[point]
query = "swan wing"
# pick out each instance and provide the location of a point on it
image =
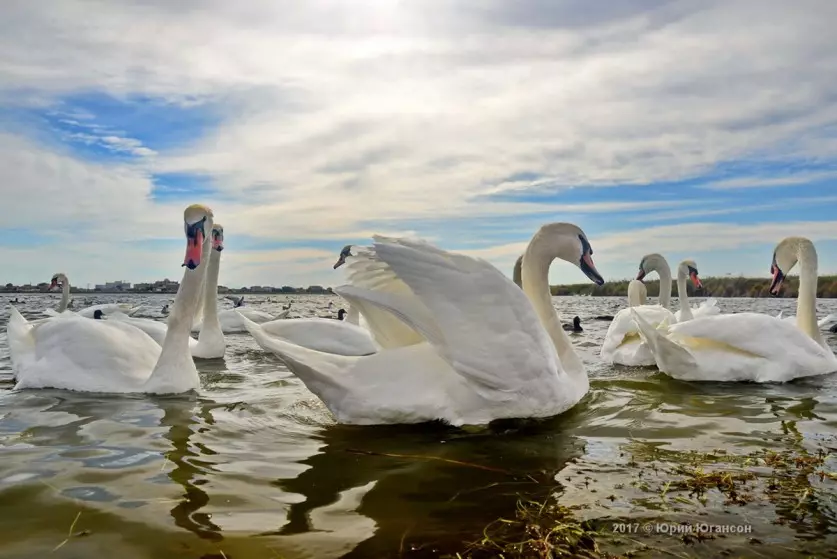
(755, 333)
(622, 343)
(153, 328)
(478, 320)
(367, 272)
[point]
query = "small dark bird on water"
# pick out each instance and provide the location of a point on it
(833, 328)
(340, 314)
(575, 326)
(98, 314)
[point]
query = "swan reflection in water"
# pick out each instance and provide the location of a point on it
(429, 483)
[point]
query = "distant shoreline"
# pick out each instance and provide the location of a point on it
(723, 287)
(172, 293)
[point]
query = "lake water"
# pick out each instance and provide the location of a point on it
(255, 467)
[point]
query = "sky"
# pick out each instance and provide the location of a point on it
(703, 129)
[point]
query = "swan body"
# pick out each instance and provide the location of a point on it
(74, 353)
(749, 346)
(486, 351)
(231, 323)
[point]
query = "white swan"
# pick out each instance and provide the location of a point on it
(622, 344)
(75, 353)
(489, 352)
(688, 269)
(210, 343)
(750, 346)
(60, 280)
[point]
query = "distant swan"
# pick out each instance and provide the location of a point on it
(750, 346)
(490, 349)
(75, 353)
(60, 280)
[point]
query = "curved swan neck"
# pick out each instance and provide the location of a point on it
(683, 295)
(660, 265)
(806, 303)
(535, 280)
(517, 275)
(65, 295)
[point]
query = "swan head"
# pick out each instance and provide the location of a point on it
(58, 280)
(649, 263)
(570, 244)
(344, 254)
(218, 237)
(197, 220)
(786, 255)
(689, 268)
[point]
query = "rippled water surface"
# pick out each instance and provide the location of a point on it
(254, 465)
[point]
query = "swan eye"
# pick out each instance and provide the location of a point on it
(585, 246)
(192, 229)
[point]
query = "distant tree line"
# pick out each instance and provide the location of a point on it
(712, 287)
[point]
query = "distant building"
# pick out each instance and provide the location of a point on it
(114, 286)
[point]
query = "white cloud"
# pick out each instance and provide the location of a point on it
(762, 182)
(338, 117)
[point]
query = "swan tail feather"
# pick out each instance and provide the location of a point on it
(665, 351)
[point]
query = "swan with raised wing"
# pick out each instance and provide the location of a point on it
(750, 346)
(75, 353)
(490, 350)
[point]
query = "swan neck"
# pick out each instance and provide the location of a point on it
(65, 296)
(637, 293)
(683, 295)
(664, 272)
(210, 288)
(535, 280)
(209, 293)
(806, 304)
(517, 275)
